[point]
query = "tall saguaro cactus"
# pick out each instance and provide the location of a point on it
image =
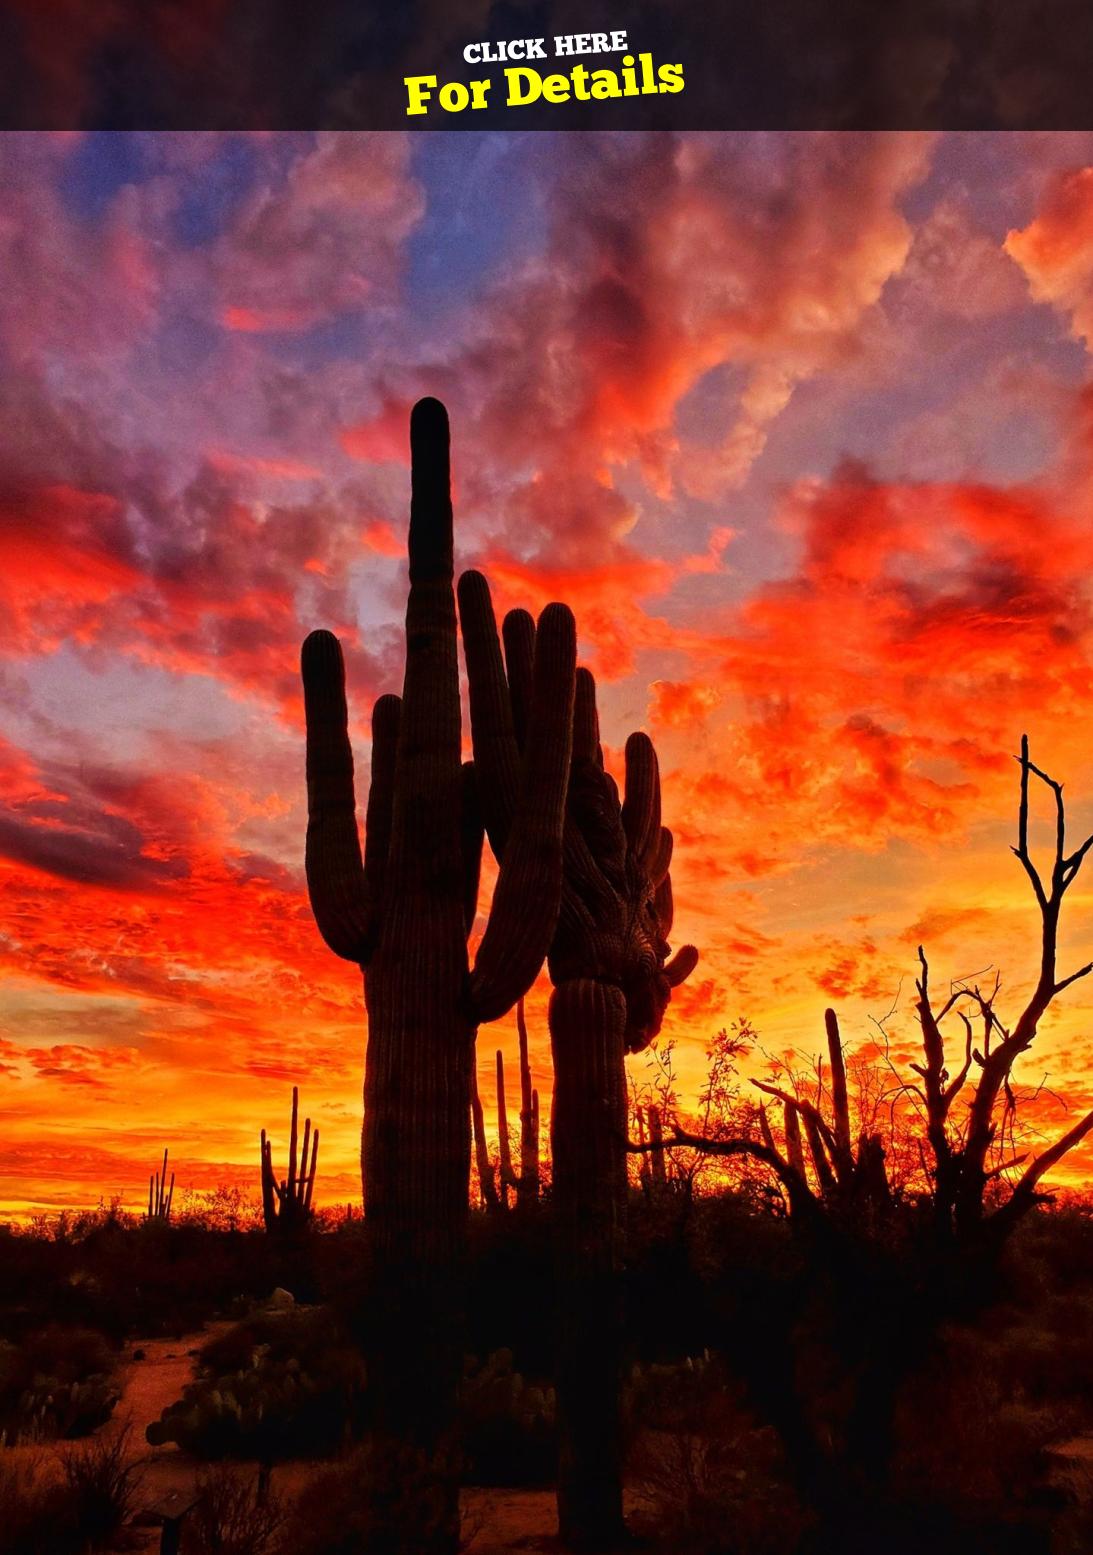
(612, 984)
(404, 911)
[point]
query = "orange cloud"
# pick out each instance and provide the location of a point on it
(1055, 250)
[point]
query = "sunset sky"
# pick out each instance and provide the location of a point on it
(802, 428)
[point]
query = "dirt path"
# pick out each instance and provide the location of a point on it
(148, 1386)
(496, 1522)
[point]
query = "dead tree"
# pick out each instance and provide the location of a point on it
(965, 1115)
(891, 1259)
(286, 1205)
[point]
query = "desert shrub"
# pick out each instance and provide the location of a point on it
(64, 1503)
(970, 1451)
(1045, 1354)
(99, 1272)
(710, 1480)
(230, 1517)
(281, 1385)
(508, 1426)
(100, 1482)
(376, 1501)
(58, 1382)
(34, 1514)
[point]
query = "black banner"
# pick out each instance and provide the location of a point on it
(726, 64)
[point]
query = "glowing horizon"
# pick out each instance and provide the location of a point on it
(800, 425)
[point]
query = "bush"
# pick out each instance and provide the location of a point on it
(283, 1385)
(377, 1501)
(969, 1446)
(230, 1517)
(65, 1503)
(710, 1480)
(33, 1514)
(59, 1382)
(100, 1483)
(508, 1425)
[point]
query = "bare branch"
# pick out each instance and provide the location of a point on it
(1074, 977)
(1054, 1154)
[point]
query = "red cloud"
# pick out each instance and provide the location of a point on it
(681, 704)
(1055, 250)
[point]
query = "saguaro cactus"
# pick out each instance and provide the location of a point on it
(286, 1205)
(527, 1186)
(496, 1181)
(487, 1173)
(160, 1194)
(612, 984)
(404, 913)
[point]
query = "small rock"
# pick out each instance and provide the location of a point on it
(281, 1301)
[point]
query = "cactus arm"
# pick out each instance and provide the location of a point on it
(170, 1198)
(680, 967)
(292, 1142)
(661, 861)
(641, 807)
(151, 1180)
(496, 752)
(269, 1213)
(594, 804)
(311, 1173)
(529, 1165)
(424, 856)
(301, 1181)
(535, 1141)
(472, 835)
(344, 910)
(377, 827)
(586, 721)
(840, 1104)
(524, 913)
(486, 1184)
(518, 635)
(508, 1175)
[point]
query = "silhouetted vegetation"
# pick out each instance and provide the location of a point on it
(287, 1203)
(67, 1501)
(285, 1384)
(403, 911)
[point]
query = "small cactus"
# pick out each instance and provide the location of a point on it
(160, 1194)
(286, 1205)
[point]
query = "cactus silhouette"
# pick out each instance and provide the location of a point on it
(612, 984)
(160, 1194)
(495, 1183)
(286, 1205)
(404, 913)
